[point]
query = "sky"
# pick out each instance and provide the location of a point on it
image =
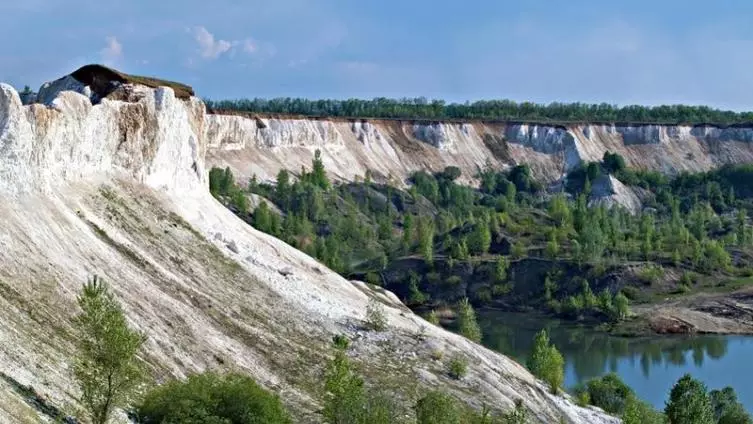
(619, 52)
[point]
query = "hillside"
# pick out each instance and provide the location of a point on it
(119, 189)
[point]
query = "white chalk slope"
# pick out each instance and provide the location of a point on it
(119, 189)
(263, 146)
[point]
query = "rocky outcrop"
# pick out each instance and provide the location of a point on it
(609, 191)
(119, 188)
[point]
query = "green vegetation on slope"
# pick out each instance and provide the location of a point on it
(510, 244)
(497, 110)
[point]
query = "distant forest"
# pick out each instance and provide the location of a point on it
(492, 110)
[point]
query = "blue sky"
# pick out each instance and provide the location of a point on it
(624, 52)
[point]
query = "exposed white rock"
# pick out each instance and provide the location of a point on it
(609, 191)
(147, 231)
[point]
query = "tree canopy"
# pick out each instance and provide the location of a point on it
(501, 110)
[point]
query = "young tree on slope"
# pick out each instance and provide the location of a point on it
(689, 402)
(107, 368)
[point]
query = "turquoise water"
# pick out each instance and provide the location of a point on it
(649, 365)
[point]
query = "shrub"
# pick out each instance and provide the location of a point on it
(433, 318)
(631, 292)
(373, 279)
(340, 342)
(609, 393)
(457, 368)
(376, 319)
(436, 407)
(437, 355)
(651, 274)
(212, 398)
(453, 280)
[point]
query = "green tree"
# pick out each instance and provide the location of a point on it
(283, 189)
(262, 217)
(106, 366)
(689, 402)
(560, 212)
(318, 174)
(346, 395)
(212, 398)
(437, 407)
(727, 409)
(480, 239)
(546, 362)
(426, 240)
(500, 269)
(621, 305)
(240, 201)
(467, 323)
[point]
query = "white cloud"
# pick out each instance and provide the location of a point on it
(112, 52)
(208, 46)
(211, 48)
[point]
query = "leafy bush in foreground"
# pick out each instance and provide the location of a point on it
(212, 398)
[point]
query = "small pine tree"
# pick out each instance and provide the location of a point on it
(467, 323)
(318, 174)
(546, 362)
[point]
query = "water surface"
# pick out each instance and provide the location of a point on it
(650, 365)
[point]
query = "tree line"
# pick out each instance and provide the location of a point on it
(495, 110)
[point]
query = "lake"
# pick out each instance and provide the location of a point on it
(649, 365)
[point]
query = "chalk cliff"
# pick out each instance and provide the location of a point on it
(119, 188)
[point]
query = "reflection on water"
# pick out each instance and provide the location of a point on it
(649, 365)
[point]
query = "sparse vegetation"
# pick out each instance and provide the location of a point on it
(457, 367)
(376, 319)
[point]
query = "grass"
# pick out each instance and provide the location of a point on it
(98, 77)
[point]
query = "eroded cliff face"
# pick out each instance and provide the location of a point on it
(119, 189)
(263, 146)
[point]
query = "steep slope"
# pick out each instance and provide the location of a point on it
(119, 189)
(262, 146)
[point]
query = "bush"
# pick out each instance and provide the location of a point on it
(373, 279)
(376, 319)
(453, 280)
(609, 393)
(457, 368)
(437, 408)
(212, 398)
(340, 342)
